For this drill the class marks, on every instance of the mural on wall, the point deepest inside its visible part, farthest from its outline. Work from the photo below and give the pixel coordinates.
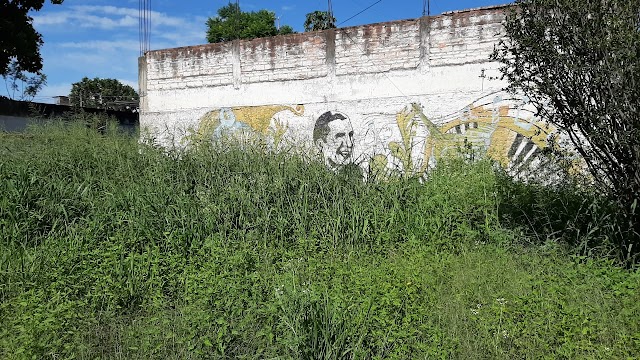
(502, 126)
(505, 126)
(270, 120)
(333, 136)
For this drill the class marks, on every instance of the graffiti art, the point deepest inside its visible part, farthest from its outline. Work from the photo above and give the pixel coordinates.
(264, 120)
(501, 126)
(333, 136)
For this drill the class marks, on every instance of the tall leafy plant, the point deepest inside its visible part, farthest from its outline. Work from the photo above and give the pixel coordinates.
(319, 20)
(579, 63)
(233, 23)
(22, 85)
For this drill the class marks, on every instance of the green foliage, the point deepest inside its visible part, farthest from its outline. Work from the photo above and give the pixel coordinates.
(319, 20)
(103, 94)
(113, 249)
(569, 214)
(579, 64)
(27, 86)
(233, 23)
(285, 30)
(20, 46)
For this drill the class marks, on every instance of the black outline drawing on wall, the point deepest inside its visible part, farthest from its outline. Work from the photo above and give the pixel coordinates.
(333, 136)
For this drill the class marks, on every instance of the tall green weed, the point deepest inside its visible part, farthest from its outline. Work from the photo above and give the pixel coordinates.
(113, 249)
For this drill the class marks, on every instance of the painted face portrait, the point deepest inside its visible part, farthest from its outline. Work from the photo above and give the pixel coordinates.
(333, 135)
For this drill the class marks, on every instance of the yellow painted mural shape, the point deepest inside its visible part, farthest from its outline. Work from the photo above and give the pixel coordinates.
(254, 118)
(499, 128)
(407, 127)
(494, 130)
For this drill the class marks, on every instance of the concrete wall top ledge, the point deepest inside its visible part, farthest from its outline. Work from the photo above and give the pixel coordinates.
(296, 39)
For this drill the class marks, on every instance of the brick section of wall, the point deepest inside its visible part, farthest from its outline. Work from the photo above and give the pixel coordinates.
(378, 47)
(465, 37)
(291, 57)
(191, 67)
(451, 39)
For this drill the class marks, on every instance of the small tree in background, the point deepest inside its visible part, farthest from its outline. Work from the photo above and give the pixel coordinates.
(579, 63)
(99, 93)
(319, 20)
(285, 29)
(233, 23)
(22, 85)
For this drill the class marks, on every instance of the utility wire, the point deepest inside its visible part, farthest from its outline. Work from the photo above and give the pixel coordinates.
(144, 25)
(363, 10)
(148, 25)
(426, 7)
(140, 31)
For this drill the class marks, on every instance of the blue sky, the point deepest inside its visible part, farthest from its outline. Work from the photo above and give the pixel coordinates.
(99, 38)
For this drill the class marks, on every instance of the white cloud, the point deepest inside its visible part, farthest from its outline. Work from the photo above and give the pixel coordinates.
(106, 17)
(103, 41)
(132, 83)
(50, 19)
(103, 45)
(172, 30)
(92, 21)
(110, 10)
(76, 19)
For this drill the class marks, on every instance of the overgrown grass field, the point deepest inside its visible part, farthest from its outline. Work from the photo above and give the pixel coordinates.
(111, 249)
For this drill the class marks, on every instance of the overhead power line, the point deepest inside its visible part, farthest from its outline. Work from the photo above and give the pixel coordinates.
(426, 7)
(144, 25)
(363, 10)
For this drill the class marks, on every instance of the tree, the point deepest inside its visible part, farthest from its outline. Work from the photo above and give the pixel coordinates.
(285, 29)
(579, 63)
(232, 23)
(319, 20)
(21, 85)
(103, 94)
(20, 42)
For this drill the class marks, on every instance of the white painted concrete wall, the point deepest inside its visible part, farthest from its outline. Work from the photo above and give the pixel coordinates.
(369, 73)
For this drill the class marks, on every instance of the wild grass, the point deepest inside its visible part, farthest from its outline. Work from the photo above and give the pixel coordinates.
(110, 249)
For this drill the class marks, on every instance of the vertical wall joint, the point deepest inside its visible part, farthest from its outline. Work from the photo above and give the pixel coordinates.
(142, 84)
(425, 43)
(235, 59)
(330, 57)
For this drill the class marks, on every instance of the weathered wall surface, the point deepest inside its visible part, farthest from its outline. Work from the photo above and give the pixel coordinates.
(387, 95)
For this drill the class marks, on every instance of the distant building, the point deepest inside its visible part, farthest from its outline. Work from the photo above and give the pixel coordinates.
(62, 100)
(16, 115)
